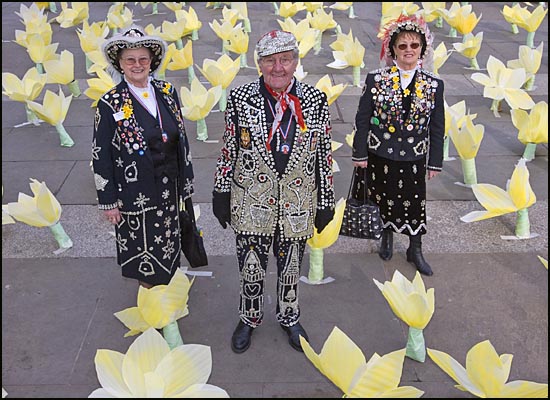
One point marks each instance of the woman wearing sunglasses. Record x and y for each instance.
(399, 131)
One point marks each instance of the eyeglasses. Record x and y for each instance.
(403, 46)
(270, 62)
(133, 60)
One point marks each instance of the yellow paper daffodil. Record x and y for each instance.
(54, 110)
(159, 307)
(467, 139)
(530, 21)
(297, 29)
(150, 369)
(518, 197)
(290, 9)
(332, 91)
(62, 71)
(197, 103)
(323, 240)
(91, 36)
(119, 16)
(433, 11)
(238, 43)
(308, 42)
(532, 127)
(25, 89)
(344, 6)
(300, 74)
(321, 21)
(470, 47)
(181, 59)
(191, 23)
(39, 51)
(348, 52)
(69, 17)
(97, 87)
(543, 261)
(344, 364)
(242, 9)
(464, 20)
(220, 73)
(454, 115)
(224, 31)
(42, 210)
(173, 32)
(173, 5)
(441, 54)
(530, 60)
(392, 10)
(503, 83)
(31, 14)
(412, 304)
(486, 374)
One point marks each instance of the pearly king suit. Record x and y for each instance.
(268, 202)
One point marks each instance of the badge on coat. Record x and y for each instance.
(245, 138)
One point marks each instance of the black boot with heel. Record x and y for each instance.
(414, 255)
(386, 246)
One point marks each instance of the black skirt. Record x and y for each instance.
(399, 189)
(148, 243)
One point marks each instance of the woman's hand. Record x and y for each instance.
(432, 174)
(113, 216)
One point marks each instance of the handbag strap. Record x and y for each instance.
(364, 180)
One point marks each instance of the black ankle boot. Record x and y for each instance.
(386, 246)
(414, 255)
(240, 341)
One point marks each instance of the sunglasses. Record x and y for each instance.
(403, 46)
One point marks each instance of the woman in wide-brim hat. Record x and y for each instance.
(400, 127)
(141, 159)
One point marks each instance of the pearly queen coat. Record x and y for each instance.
(261, 198)
(386, 127)
(122, 163)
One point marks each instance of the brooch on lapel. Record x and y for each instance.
(245, 138)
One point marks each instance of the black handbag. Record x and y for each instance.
(192, 243)
(361, 215)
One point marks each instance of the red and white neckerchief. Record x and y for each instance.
(285, 100)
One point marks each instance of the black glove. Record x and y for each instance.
(322, 218)
(221, 206)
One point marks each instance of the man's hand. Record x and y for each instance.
(221, 206)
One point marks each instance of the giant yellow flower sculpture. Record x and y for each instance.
(532, 127)
(290, 8)
(343, 362)
(321, 21)
(97, 87)
(486, 374)
(238, 43)
(197, 103)
(323, 240)
(53, 111)
(530, 60)
(119, 16)
(62, 71)
(412, 304)
(24, 89)
(522, 17)
(191, 22)
(441, 54)
(220, 72)
(150, 369)
(159, 307)
(348, 52)
(345, 6)
(91, 36)
(41, 51)
(517, 197)
(470, 47)
(182, 59)
(503, 83)
(332, 91)
(69, 17)
(467, 137)
(42, 210)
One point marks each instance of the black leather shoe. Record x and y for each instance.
(386, 246)
(240, 341)
(294, 333)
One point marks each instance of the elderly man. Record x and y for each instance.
(273, 182)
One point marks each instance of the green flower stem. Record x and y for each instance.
(416, 346)
(40, 68)
(190, 73)
(495, 105)
(530, 39)
(155, 8)
(469, 171)
(439, 22)
(161, 73)
(61, 236)
(452, 32)
(514, 28)
(89, 64)
(244, 61)
(172, 335)
(64, 137)
(114, 31)
(195, 34)
(202, 130)
(223, 100)
(351, 12)
(529, 152)
(523, 227)
(246, 27)
(446, 147)
(225, 43)
(316, 257)
(530, 83)
(74, 88)
(474, 64)
(179, 44)
(357, 76)
(275, 7)
(31, 116)
(318, 41)
(52, 7)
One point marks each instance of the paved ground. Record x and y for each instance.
(57, 310)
